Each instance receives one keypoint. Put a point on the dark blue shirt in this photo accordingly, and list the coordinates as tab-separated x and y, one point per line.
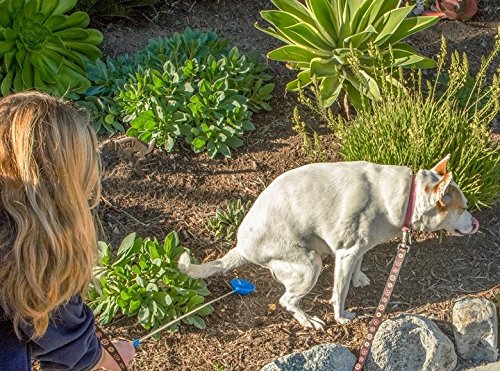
70	342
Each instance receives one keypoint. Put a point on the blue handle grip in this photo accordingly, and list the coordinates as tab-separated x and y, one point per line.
136	343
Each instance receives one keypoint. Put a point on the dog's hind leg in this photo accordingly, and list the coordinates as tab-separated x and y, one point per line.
345	263
299	277
359	279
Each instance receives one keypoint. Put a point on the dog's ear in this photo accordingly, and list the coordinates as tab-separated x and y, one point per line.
440	168
441	189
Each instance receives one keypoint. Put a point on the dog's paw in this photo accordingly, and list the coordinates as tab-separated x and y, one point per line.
346	317
360	280
313	322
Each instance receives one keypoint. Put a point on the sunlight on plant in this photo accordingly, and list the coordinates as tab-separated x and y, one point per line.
190	88
331	40
42	48
143	280
225	223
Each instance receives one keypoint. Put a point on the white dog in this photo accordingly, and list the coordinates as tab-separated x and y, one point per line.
344	208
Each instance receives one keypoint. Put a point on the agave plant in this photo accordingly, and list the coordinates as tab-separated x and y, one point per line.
454	9
335	42
41	47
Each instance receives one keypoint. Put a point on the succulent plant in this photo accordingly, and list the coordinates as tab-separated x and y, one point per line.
224	224
333	42
454	9
42	48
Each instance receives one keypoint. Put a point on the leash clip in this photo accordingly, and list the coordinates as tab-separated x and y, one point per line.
406	240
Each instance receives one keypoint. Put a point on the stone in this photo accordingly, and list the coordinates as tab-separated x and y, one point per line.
495	366
323	357
475	325
410	343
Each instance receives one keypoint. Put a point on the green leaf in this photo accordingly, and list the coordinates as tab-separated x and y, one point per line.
144	314
360	39
294	7
198	143
409	26
223	149
234	142
198	322
323	68
292	53
134	306
303	80
322	12
126	245
330	90
392	20
355	97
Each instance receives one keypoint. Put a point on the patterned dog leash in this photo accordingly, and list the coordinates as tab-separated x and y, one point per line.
108	345
403	248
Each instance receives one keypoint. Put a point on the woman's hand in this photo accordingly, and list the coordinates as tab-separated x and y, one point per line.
126	350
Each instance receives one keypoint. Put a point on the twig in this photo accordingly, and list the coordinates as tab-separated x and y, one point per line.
122	211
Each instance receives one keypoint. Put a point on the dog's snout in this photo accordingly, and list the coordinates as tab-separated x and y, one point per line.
475	225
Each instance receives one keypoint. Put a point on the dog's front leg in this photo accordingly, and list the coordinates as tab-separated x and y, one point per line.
359	279
345	263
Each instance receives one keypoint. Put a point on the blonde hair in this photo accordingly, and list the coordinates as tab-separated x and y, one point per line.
49	181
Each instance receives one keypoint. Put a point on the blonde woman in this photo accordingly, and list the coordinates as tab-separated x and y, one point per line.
49	181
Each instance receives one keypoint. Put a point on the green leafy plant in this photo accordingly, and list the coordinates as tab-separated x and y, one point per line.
333	41
189	87
413	128
192	87
42	48
117	8
143	280
225	223
107	77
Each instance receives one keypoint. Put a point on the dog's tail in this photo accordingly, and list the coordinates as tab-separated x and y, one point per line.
229	261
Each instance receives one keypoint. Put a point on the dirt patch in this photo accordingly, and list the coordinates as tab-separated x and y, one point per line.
182	189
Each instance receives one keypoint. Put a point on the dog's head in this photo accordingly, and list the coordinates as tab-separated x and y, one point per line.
440	204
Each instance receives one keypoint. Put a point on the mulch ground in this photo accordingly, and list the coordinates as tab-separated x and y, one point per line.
181	190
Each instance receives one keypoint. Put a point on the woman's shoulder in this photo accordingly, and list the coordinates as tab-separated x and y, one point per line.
14	354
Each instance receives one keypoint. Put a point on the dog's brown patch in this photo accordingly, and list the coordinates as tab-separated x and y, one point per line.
446	179
456	203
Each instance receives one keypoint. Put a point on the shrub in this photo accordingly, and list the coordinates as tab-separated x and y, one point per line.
224	224
42	48
189	87
107	77
333	41
143	281
417	129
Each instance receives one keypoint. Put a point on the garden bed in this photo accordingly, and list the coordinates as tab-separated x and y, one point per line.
181	190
